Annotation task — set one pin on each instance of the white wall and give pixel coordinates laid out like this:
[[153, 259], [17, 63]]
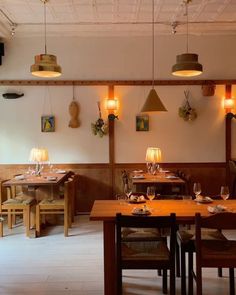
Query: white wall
[[115, 58]]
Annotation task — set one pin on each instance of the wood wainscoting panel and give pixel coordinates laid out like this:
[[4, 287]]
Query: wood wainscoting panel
[[96, 179], [210, 175]]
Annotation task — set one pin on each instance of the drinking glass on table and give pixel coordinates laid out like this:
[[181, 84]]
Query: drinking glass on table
[[127, 190], [121, 198], [224, 192], [197, 189], [151, 192]]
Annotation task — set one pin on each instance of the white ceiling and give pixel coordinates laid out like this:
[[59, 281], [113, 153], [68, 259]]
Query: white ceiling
[[116, 17]]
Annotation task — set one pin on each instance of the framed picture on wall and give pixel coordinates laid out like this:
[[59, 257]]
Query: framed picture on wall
[[142, 123], [48, 123]]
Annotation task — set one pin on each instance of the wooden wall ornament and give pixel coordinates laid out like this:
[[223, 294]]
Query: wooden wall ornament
[[208, 89], [74, 112]]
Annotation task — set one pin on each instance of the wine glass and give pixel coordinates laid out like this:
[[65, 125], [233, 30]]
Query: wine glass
[[224, 192], [127, 190], [197, 189], [151, 192]]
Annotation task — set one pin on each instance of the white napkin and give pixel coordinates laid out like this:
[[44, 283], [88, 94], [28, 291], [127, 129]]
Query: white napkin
[[216, 209]]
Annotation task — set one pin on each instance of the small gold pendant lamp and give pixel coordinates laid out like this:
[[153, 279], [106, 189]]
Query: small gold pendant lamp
[[187, 64], [45, 65]]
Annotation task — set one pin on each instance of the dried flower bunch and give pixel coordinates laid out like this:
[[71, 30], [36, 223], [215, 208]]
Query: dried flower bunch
[[187, 112], [100, 127]]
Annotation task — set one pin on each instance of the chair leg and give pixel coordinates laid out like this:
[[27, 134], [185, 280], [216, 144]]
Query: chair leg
[[164, 281], [190, 273], [27, 217], [37, 221], [9, 219], [183, 271], [172, 281], [1, 229], [14, 218], [220, 274], [198, 279], [177, 260], [119, 281], [66, 223], [231, 282]]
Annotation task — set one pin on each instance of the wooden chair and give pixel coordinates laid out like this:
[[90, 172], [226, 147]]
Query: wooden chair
[[186, 245], [15, 205], [211, 253], [143, 253], [232, 169], [57, 206]]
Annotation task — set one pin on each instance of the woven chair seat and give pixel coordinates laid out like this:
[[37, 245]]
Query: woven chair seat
[[220, 250], [188, 236], [22, 200], [52, 202], [131, 233], [145, 251]]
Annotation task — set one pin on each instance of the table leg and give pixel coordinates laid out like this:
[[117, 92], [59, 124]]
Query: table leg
[[109, 247]]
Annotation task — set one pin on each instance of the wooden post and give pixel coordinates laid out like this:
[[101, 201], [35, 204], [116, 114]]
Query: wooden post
[[228, 119], [111, 146]]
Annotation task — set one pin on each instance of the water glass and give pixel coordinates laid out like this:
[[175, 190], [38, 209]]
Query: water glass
[[197, 189], [224, 192], [122, 199]]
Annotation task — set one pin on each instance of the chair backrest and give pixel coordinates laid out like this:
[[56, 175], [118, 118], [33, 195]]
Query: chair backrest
[[157, 222], [224, 220], [220, 221], [232, 167], [5, 191]]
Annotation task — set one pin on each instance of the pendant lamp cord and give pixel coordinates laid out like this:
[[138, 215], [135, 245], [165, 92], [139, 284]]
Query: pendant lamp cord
[[45, 26], [187, 24], [153, 47], [73, 91]]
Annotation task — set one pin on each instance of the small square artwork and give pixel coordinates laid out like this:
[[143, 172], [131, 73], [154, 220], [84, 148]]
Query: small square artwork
[[142, 123], [48, 124]]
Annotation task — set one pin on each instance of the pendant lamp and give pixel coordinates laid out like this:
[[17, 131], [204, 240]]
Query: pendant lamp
[[153, 102], [187, 64], [45, 65]]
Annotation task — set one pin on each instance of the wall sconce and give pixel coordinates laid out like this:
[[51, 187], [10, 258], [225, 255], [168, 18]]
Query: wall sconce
[[112, 107], [228, 105], [153, 158]]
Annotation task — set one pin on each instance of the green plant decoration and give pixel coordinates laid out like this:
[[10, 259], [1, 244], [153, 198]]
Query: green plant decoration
[[100, 127], [186, 111]]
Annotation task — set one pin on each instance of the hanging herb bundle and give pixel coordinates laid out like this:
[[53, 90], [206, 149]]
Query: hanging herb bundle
[[187, 112], [100, 127]]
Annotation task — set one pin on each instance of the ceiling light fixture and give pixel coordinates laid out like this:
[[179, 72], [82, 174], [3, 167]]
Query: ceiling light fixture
[[153, 102], [45, 64], [187, 64]]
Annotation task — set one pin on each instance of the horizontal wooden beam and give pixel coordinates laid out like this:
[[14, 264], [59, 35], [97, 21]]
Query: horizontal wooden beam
[[113, 82]]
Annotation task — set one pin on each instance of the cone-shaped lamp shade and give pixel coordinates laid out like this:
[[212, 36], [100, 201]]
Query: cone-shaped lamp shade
[[153, 103], [187, 65], [45, 66]]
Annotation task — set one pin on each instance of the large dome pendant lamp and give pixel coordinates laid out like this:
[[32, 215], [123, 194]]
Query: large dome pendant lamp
[[45, 64], [187, 64], [153, 102]]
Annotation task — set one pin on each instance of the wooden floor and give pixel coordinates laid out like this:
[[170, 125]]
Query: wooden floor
[[54, 265]]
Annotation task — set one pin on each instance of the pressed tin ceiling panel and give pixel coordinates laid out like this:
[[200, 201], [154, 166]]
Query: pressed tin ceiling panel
[[116, 17]]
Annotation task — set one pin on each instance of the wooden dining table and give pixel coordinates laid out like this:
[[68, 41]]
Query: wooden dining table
[[38, 187], [106, 210], [159, 179]]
